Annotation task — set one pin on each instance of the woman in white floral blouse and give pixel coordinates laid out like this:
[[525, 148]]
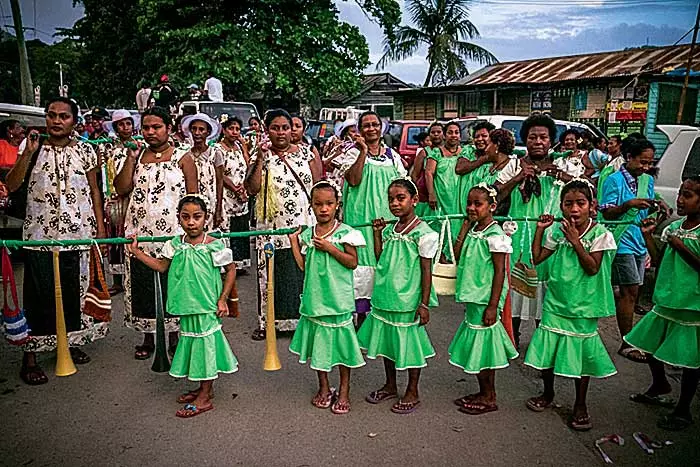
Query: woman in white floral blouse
[[59, 175], [232, 150], [281, 175], [155, 177]]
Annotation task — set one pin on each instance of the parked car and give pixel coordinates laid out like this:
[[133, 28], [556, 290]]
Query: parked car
[[681, 159], [319, 131], [514, 123], [29, 115], [242, 110], [402, 137]]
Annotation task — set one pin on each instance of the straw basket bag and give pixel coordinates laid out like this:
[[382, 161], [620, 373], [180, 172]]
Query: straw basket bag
[[445, 275]]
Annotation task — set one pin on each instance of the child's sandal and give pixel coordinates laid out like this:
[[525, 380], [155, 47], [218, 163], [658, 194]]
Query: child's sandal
[[340, 407]]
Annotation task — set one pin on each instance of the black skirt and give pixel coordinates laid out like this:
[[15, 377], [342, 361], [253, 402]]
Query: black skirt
[[240, 246], [143, 290]]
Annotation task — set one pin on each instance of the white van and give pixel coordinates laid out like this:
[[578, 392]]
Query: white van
[[680, 160], [242, 110], [29, 115]]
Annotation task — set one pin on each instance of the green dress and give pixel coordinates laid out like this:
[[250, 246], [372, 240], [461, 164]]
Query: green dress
[[364, 203], [467, 181], [446, 184], [391, 330], [482, 174], [671, 331], [194, 288], [567, 339], [476, 347], [325, 334]]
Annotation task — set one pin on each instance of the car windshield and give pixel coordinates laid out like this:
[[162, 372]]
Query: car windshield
[[217, 109], [412, 136]]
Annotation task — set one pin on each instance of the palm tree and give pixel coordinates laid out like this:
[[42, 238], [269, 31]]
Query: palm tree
[[442, 26]]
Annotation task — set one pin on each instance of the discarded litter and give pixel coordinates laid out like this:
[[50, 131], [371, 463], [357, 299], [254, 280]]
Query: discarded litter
[[613, 438], [371, 435], [458, 429], [647, 444]]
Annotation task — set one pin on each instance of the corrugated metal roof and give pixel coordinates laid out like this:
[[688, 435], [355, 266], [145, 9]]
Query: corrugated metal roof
[[368, 82], [581, 67]]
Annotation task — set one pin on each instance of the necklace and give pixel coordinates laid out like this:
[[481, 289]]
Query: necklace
[[378, 154], [204, 238], [327, 234], [159, 154], [408, 227], [588, 227], [452, 151], [485, 228]]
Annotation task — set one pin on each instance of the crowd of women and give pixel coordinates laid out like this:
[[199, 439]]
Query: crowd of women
[[348, 279]]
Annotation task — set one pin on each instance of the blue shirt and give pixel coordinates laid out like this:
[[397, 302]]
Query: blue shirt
[[619, 188], [599, 159]]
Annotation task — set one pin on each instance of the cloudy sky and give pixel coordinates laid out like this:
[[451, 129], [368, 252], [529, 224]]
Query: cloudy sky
[[510, 29]]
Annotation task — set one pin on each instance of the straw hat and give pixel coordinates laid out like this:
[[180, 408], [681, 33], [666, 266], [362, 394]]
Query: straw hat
[[213, 124], [121, 114]]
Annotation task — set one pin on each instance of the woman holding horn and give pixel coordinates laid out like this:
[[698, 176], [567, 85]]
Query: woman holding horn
[[155, 177], [59, 176]]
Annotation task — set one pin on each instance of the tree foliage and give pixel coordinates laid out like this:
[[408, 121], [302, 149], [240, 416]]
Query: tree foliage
[[443, 26]]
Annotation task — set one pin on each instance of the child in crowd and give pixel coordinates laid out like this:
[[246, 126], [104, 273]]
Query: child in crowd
[[579, 292], [402, 295], [197, 296], [670, 333], [481, 344], [325, 334]]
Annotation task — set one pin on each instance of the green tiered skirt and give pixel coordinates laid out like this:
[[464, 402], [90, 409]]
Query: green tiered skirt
[[203, 351], [396, 336], [327, 341], [476, 347], [570, 346], [671, 336]]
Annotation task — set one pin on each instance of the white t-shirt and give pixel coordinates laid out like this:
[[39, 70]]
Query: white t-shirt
[[215, 90]]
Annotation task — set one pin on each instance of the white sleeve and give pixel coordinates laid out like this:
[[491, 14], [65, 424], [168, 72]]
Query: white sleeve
[[428, 245], [218, 158], [604, 242], [398, 163], [665, 234], [549, 242], [222, 257], [168, 250], [354, 238], [347, 159], [511, 169], [500, 244]]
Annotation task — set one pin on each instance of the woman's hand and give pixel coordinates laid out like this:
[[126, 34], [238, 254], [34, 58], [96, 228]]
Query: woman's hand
[[432, 201], [525, 171], [32, 142], [490, 315], [360, 143], [221, 308], [133, 247], [423, 313], [545, 221], [648, 226]]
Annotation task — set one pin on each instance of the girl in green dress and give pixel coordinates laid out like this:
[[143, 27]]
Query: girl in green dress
[[198, 297], [579, 292], [670, 333], [325, 335], [403, 292], [481, 344]]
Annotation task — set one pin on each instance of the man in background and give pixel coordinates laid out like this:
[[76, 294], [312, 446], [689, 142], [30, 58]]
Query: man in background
[[142, 97], [213, 88], [165, 95]]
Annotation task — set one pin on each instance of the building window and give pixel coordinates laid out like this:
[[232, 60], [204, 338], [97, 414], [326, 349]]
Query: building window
[[471, 101], [449, 102]]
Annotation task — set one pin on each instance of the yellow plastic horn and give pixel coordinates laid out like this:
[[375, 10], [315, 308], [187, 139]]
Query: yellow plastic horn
[[64, 362], [272, 360]]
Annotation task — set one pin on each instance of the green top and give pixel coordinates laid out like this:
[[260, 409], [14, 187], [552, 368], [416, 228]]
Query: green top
[[678, 284], [482, 174], [447, 182], [570, 291], [194, 277], [397, 283], [328, 286], [475, 269]]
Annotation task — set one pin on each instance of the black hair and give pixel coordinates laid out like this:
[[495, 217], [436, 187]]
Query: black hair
[[695, 179], [405, 183], [5, 126], [627, 141], [345, 131], [597, 140], [159, 112], [539, 120], [365, 114], [303, 120], [566, 133], [503, 139], [73, 106], [452, 123], [483, 125], [272, 114], [638, 146], [492, 199], [325, 185], [189, 199], [255, 119], [230, 121], [581, 187], [421, 136], [435, 124], [617, 138]]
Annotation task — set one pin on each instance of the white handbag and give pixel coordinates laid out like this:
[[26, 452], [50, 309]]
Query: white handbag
[[445, 275]]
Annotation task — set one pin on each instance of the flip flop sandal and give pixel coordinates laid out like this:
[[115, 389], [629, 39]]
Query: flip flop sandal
[[633, 355], [143, 352], [325, 402], [190, 396], [478, 408], [659, 400], [258, 335], [375, 397], [404, 408], [33, 375], [538, 404], [191, 410], [674, 423], [581, 423], [340, 408], [465, 400], [79, 357]]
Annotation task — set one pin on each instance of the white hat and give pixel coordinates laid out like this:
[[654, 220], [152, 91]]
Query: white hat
[[215, 126], [343, 126], [121, 114]]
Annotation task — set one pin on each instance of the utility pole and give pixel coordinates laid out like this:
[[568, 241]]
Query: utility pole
[[679, 117], [26, 87]]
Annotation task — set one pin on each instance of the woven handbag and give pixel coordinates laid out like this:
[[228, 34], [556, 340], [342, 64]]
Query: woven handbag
[[16, 327], [445, 275], [523, 278], [98, 303]]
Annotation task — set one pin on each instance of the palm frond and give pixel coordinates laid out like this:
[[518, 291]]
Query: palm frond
[[407, 42], [475, 53]]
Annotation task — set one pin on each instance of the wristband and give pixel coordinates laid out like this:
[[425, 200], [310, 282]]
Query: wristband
[[424, 306]]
